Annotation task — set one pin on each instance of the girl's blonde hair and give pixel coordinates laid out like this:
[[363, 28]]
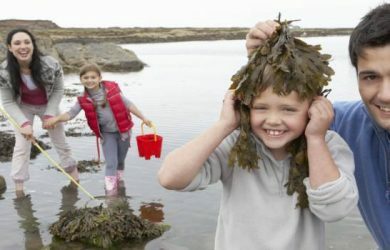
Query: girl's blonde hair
[[90, 67]]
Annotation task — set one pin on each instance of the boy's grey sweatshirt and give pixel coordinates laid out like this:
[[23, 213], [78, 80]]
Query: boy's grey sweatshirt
[[257, 213]]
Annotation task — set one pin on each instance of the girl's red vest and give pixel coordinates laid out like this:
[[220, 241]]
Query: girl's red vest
[[118, 108]]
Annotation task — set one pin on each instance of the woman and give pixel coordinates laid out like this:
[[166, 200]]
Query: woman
[[31, 84]]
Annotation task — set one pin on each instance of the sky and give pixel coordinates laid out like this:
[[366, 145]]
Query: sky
[[188, 13]]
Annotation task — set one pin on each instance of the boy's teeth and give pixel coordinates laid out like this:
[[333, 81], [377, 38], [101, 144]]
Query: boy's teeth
[[274, 132]]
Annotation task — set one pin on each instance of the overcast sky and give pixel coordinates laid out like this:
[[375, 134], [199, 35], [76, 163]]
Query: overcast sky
[[187, 13]]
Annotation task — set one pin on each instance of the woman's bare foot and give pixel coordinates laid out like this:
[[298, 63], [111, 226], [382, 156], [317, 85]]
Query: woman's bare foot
[[19, 185], [75, 174]]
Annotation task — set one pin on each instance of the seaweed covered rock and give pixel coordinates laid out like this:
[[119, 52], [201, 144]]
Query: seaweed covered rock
[[3, 185], [85, 166], [91, 166], [105, 226], [7, 147]]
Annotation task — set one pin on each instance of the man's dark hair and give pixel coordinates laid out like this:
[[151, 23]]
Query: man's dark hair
[[372, 31], [13, 66]]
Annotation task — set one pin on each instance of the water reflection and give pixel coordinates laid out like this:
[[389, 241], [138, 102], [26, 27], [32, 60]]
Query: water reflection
[[3, 186], [28, 222], [69, 198], [152, 212]]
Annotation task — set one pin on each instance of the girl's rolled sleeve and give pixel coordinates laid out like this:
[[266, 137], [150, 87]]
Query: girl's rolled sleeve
[[58, 91]]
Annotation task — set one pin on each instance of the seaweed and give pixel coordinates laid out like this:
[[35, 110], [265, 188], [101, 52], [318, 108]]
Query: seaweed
[[286, 64], [105, 226]]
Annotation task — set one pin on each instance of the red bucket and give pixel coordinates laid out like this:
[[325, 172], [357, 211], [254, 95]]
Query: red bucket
[[149, 144]]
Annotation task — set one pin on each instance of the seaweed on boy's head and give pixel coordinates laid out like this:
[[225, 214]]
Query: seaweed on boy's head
[[286, 65]]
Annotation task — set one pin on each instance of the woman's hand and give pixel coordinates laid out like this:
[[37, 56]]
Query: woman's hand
[[27, 132], [258, 34], [229, 116], [321, 116], [50, 123]]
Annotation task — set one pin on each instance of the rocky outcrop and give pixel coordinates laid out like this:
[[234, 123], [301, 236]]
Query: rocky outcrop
[[72, 54], [28, 24], [74, 46], [109, 56]]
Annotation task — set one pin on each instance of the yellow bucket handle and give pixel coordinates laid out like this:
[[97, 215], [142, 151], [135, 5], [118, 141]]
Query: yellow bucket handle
[[153, 127]]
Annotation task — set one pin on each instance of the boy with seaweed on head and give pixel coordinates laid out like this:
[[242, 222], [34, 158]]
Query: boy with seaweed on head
[[283, 173], [363, 124]]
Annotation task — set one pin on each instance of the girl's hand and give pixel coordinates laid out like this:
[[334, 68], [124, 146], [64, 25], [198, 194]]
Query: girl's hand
[[50, 123], [258, 34], [147, 122], [229, 116], [321, 116], [27, 132]]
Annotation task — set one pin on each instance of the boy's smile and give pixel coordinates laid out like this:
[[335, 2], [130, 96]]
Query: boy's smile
[[278, 120], [274, 133]]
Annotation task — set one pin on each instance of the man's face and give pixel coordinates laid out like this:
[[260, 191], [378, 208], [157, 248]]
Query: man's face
[[374, 83]]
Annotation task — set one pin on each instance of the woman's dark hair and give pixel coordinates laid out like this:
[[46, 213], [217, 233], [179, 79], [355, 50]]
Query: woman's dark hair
[[13, 66]]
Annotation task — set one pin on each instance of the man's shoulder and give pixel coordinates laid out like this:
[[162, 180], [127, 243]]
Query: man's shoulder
[[350, 108], [349, 117], [347, 104]]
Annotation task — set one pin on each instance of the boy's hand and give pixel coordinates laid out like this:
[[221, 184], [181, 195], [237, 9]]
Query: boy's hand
[[230, 117], [321, 116], [258, 34]]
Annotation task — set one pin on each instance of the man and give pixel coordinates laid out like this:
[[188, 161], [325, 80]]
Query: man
[[364, 124]]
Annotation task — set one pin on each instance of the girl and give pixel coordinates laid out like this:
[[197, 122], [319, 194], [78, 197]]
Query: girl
[[283, 174], [108, 115], [32, 85]]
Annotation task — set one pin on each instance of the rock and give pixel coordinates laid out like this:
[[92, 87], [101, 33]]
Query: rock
[[8, 142], [109, 56], [3, 185], [100, 45], [28, 24], [72, 55], [106, 227]]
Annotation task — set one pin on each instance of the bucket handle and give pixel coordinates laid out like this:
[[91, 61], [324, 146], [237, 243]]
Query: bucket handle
[[153, 127]]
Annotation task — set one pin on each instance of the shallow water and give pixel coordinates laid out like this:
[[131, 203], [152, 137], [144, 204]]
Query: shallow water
[[181, 91]]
